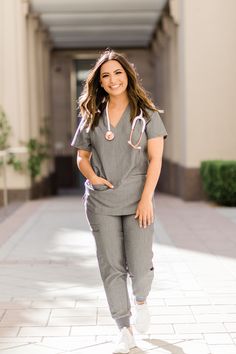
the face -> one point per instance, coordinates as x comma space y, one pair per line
113, 78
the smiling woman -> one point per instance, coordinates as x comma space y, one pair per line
114, 81
120, 147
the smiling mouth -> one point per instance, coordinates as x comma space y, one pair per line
114, 86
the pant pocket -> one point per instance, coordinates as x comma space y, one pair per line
92, 221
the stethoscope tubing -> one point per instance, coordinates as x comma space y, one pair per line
139, 117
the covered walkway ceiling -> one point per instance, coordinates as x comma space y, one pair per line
99, 23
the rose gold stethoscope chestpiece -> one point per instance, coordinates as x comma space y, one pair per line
140, 117
109, 135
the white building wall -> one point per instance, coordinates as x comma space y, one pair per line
210, 79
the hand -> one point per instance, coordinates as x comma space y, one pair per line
100, 180
144, 212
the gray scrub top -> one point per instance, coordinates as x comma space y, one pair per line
118, 162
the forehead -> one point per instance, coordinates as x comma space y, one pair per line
110, 66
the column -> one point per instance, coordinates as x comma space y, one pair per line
14, 79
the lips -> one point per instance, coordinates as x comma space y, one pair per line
114, 86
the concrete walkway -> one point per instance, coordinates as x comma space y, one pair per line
52, 300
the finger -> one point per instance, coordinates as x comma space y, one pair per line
144, 222
107, 183
149, 220
152, 219
137, 214
140, 221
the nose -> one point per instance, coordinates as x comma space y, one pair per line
112, 79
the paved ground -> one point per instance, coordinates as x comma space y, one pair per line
52, 301
10, 209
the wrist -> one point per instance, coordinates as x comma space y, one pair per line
147, 196
92, 178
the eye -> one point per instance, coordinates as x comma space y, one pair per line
104, 75
118, 72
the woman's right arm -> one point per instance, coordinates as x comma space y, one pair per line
83, 163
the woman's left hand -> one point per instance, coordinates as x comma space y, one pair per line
144, 212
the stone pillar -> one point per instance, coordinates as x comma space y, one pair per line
165, 54
13, 67
34, 104
14, 80
24, 83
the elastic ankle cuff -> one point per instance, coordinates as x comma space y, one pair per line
123, 322
140, 299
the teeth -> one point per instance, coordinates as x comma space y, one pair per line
114, 86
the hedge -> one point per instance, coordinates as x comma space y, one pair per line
219, 181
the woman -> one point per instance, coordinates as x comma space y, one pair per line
122, 164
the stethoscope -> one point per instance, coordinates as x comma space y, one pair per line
109, 135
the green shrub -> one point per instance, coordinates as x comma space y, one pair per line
5, 130
219, 181
37, 154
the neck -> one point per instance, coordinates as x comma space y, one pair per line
118, 101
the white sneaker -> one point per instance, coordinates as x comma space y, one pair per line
141, 318
125, 341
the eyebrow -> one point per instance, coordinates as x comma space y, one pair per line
108, 73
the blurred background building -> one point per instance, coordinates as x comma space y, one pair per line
184, 51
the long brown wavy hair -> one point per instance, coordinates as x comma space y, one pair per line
93, 99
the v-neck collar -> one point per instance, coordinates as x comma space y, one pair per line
119, 121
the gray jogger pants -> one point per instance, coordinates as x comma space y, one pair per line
123, 248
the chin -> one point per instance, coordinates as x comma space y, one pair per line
118, 93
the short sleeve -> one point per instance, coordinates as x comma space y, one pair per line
81, 139
155, 127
